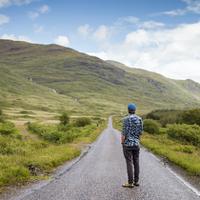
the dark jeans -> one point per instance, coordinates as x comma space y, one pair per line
131, 155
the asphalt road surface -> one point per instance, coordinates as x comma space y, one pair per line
100, 173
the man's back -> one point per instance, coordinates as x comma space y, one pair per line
132, 129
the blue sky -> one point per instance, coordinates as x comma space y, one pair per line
157, 35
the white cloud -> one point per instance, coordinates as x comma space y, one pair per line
151, 24
41, 10
84, 30
4, 19
138, 23
103, 55
4, 3
192, 6
44, 9
16, 38
172, 52
62, 40
127, 20
177, 12
102, 33
137, 38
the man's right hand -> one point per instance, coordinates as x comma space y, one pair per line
122, 139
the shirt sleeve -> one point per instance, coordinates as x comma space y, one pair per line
141, 126
123, 127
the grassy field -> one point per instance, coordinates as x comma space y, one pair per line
175, 149
27, 155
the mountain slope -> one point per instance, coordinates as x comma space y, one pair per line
188, 87
65, 78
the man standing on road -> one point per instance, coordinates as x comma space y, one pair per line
131, 130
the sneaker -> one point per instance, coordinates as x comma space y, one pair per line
136, 184
128, 185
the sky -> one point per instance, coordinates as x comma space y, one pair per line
157, 35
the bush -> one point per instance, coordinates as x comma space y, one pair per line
70, 135
185, 133
11, 145
165, 116
64, 128
53, 133
153, 115
83, 121
15, 174
191, 117
64, 119
5, 147
151, 126
8, 128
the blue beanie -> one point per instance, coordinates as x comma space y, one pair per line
131, 107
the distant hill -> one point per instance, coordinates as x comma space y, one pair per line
56, 78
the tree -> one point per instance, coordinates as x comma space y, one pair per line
151, 126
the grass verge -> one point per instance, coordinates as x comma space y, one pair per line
185, 155
25, 158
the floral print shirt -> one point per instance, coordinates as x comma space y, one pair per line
132, 128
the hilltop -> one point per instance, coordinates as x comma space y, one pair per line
53, 77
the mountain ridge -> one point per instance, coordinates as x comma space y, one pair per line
85, 83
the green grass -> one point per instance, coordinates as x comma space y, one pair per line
32, 156
185, 155
32, 160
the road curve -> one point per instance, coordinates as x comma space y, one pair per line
100, 173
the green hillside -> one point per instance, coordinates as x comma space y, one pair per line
52, 77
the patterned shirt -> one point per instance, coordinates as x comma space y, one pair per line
132, 129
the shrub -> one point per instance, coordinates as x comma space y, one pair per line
11, 145
185, 133
64, 119
15, 174
53, 133
165, 116
153, 115
36, 128
191, 116
69, 136
83, 121
5, 147
64, 128
7, 128
151, 126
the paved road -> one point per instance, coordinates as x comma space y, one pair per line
100, 173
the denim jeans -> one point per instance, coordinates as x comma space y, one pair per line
131, 155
